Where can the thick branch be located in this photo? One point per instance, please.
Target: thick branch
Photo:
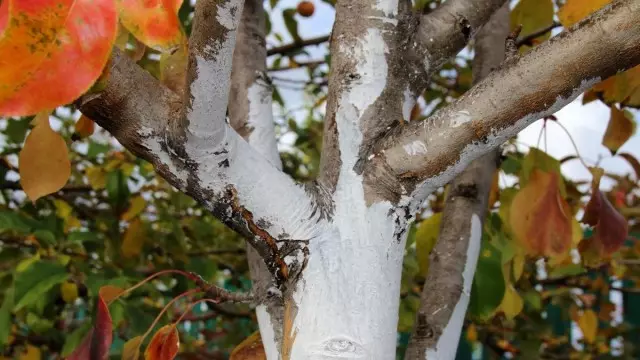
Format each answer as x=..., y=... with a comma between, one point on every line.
x=443, y=32
x=523, y=90
x=445, y=288
x=196, y=150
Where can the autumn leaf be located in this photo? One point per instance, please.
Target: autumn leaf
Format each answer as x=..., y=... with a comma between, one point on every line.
x=44, y=160
x=84, y=127
x=610, y=227
x=164, y=345
x=154, y=22
x=512, y=303
x=635, y=164
x=109, y=293
x=138, y=204
x=575, y=10
x=621, y=128
x=588, y=323
x=533, y=15
x=622, y=88
x=173, y=68
x=540, y=218
x=133, y=240
x=250, y=348
x=131, y=349
x=60, y=60
x=97, y=342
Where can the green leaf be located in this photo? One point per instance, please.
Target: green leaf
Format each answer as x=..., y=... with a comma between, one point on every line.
x=16, y=130
x=35, y=281
x=488, y=284
x=5, y=317
x=291, y=23
x=95, y=149
x=426, y=237
x=12, y=220
x=72, y=341
x=273, y=3
x=567, y=270
x=45, y=236
x=538, y=159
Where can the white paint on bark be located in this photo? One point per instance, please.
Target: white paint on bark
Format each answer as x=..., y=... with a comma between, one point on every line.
x=229, y=12
x=347, y=308
x=415, y=148
x=388, y=7
x=266, y=332
x=408, y=104
x=447, y=345
x=476, y=149
x=460, y=118
x=263, y=136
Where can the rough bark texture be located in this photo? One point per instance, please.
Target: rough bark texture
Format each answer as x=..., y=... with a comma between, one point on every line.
x=334, y=252
x=468, y=196
x=523, y=90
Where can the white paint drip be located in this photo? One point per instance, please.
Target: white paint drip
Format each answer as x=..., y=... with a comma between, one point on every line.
x=460, y=118
x=263, y=135
x=447, y=344
x=415, y=148
x=228, y=14
x=408, y=104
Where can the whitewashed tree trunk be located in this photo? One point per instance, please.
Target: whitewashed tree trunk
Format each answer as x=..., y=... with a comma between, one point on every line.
x=326, y=257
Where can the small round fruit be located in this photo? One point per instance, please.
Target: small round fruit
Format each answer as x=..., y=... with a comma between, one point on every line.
x=306, y=8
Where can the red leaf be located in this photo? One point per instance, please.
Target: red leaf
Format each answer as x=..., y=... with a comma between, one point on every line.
x=611, y=228
x=96, y=344
x=164, y=345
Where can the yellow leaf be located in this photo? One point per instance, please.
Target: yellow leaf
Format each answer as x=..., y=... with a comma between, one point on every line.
x=97, y=177
x=250, y=348
x=518, y=266
x=533, y=15
x=31, y=353
x=588, y=323
x=575, y=10
x=44, y=160
x=540, y=218
x=621, y=127
x=426, y=238
x=512, y=303
x=131, y=349
x=494, y=193
x=133, y=239
x=69, y=291
x=138, y=204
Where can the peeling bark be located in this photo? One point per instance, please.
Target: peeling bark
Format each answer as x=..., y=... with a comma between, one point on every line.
x=445, y=289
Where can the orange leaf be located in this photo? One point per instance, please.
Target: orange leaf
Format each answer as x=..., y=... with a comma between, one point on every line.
x=109, y=292
x=131, y=349
x=44, y=160
x=96, y=344
x=250, y=348
x=540, y=218
x=63, y=45
x=575, y=10
x=621, y=127
x=153, y=22
x=611, y=228
x=84, y=127
x=164, y=345
x=622, y=88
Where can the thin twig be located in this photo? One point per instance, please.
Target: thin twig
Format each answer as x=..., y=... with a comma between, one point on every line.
x=527, y=40
x=284, y=49
x=220, y=294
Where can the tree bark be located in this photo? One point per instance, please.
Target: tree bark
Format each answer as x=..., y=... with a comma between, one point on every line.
x=447, y=288
x=333, y=250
